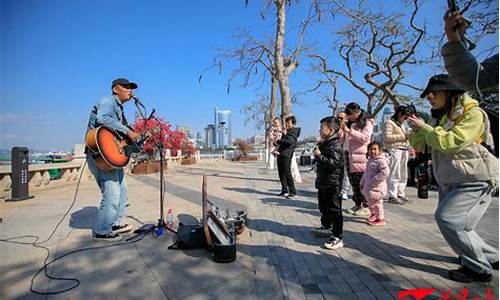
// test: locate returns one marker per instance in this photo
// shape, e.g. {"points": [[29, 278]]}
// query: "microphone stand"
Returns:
{"points": [[157, 229]]}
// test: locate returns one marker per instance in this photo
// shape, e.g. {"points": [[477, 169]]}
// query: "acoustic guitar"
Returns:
{"points": [[110, 149]]}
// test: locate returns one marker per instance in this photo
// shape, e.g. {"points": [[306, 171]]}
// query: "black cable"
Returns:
{"points": [[77, 282], [37, 244]]}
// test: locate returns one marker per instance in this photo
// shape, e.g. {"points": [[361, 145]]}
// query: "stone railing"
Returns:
{"points": [[40, 177]]}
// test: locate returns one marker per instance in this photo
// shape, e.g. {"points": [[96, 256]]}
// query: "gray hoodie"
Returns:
{"points": [[462, 67]]}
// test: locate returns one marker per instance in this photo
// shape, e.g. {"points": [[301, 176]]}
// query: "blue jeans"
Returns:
{"points": [[114, 197]]}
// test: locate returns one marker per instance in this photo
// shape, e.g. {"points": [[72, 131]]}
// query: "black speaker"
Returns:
{"points": [[19, 173]]}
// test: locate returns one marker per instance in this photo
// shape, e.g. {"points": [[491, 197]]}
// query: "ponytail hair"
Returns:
{"points": [[353, 108]]}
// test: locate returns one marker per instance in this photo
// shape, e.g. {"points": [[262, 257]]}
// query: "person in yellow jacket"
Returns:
{"points": [[465, 171]]}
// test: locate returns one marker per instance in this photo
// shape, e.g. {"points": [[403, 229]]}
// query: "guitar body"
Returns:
{"points": [[109, 149]]}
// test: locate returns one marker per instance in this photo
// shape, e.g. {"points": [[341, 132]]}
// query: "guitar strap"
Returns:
{"points": [[124, 120]]}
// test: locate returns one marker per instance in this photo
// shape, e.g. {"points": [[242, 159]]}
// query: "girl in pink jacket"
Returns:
{"points": [[359, 134], [374, 183]]}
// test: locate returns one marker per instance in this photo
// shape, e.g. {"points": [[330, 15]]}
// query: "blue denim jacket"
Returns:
{"points": [[108, 112]]}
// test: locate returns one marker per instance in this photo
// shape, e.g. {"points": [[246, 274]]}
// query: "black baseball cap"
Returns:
{"points": [[441, 82], [124, 82]]}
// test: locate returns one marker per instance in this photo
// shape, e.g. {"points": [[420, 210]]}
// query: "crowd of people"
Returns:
{"points": [[465, 171], [456, 138]]}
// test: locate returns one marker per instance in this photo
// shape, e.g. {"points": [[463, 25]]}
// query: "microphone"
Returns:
{"points": [[137, 101], [151, 115]]}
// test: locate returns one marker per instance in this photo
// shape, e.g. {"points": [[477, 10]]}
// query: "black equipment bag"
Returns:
{"points": [[190, 237]]}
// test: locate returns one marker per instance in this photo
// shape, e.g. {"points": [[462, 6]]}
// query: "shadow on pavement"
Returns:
{"points": [[249, 190], [84, 218], [362, 242], [290, 202], [219, 174]]}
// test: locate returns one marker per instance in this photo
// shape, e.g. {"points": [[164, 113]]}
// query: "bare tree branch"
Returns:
{"points": [[379, 46]]}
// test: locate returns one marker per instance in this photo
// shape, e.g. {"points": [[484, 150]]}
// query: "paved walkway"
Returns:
{"points": [[278, 257]]}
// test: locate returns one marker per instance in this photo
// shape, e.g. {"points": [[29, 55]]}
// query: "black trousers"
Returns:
{"points": [[330, 206], [285, 173], [357, 196], [354, 180]]}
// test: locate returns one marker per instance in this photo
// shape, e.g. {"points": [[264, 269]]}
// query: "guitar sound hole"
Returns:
{"points": [[118, 145]]}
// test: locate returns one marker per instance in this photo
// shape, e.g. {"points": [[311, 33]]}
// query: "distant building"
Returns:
{"points": [[210, 137], [257, 141], [386, 115], [219, 134], [223, 130], [186, 130], [378, 130]]}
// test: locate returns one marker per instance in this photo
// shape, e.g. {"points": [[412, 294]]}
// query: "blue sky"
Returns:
{"points": [[57, 58]]}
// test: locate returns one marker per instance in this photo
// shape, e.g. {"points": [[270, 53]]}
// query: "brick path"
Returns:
{"points": [[278, 257], [409, 252]]}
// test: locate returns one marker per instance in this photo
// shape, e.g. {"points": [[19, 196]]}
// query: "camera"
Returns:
{"points": [[409, 110]]}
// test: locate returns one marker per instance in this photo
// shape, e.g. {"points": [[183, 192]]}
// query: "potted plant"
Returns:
{"points": [[159, 131]]}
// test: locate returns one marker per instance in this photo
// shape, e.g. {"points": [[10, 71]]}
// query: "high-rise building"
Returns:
{"points": [[210, 136], [378, 131], [223, 130], [386, 115]]}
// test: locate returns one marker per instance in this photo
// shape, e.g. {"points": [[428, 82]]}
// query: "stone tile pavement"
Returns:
{"points": [[278, 257]]}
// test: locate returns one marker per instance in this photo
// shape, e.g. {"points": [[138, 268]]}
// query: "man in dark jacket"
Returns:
{"points": [[286, 147], [330, 174]]}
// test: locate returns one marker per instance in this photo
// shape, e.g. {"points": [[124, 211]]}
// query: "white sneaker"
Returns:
{"points": [[352, 209], [122, 228], [333, 243], [362, 212]]}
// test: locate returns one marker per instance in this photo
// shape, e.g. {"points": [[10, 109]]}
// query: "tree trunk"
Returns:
{"points": [[272, 103], [369, 107], [272, 114], [281, 72]]}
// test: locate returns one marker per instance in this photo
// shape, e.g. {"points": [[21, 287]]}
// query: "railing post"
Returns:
{"points": [[5, 185], [79, 156]]}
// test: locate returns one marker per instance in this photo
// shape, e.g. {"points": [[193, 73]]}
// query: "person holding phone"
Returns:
{"points": [[465, 171], [396, 143], [464, 70]]}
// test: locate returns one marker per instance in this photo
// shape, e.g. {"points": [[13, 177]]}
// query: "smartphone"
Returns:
{"points": [[453, 5]]}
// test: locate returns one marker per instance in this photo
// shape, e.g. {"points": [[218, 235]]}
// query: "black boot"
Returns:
{"points": [[464, 274]]}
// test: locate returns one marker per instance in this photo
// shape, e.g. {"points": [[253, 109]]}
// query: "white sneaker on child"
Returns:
{"points": [[352, 209], [362, 212], [333, 243]]}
